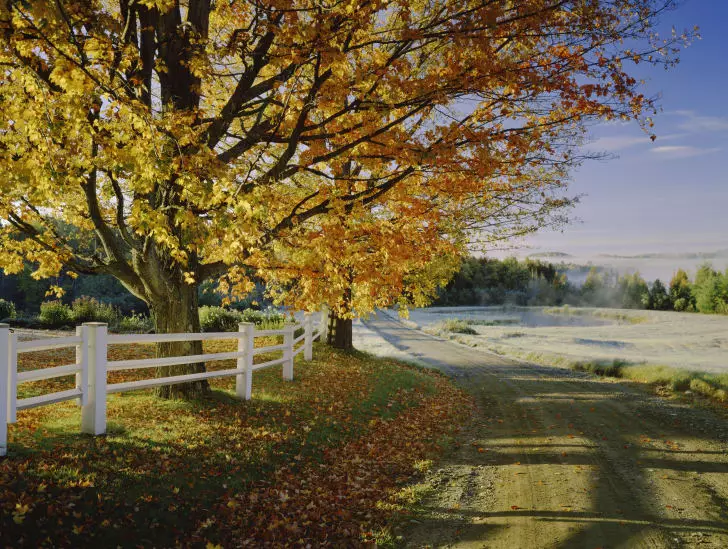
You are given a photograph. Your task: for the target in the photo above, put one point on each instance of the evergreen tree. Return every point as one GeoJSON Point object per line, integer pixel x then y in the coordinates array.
{"type": "Point", "coordinates": [658, 297]}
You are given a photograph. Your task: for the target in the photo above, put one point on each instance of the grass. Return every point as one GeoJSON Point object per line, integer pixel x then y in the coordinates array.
{"type": "Point", "coordinates": [712, 386]}
{"type": "Point", "coordinates": [609, 314]}
{"type": "Point", "coordinates": [405, 502]}
{"type": "Point", "coordinates": [609, 368]}
{"type": "Point", "coordinates": [316, 459]}
{"type": "Point", "coordinates": [677, 380]}
{"type": "Point", "coordinates": [498, 322]}
{"type": "Point", "coordinates": [452, 326]}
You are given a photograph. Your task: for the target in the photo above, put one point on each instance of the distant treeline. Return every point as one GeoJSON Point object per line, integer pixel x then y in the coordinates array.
{"type": "Point", "coordinates": [27, 294]}
{"type": "Point", "coordinates": [485, 281]}
{"type": "Point", "coordinates": [480, 281]}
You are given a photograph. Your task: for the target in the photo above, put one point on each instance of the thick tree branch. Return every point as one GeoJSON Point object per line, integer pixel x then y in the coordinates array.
{"type": "Point", "coordinates": [240, 95]}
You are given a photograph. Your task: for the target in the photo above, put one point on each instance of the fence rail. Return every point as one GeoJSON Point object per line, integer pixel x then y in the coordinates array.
{"type": "Point", "coordinates": [92, 365]}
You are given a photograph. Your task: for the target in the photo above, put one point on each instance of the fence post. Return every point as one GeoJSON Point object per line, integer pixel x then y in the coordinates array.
{"type": "Point", "coordinates": [246, 343]}
{"type": "Point", "coordinates": [93, 413]}
{"type": "Point", "coordinates": [288, 352]}
{"type": "Point", "coordinates": [4, 386]}
{"type": "Point", "coordinates": [82, 359]}
{"type": "Point", "coordinates": [308, 339]}
{"type": "Point", "coordinates": [13, 378]}
{"type": "Point", "coordinates": [324, 326]}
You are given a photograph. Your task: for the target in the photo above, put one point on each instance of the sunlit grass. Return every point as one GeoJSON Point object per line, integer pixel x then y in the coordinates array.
{"type": "Point", "coordinates": [714, 386]}
{"type": "Point", "coordinates": [710, 385]}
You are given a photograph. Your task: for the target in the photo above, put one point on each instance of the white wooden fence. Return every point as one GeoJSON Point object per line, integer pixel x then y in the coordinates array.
{"type": "Point", "coordinates": [92, 366]}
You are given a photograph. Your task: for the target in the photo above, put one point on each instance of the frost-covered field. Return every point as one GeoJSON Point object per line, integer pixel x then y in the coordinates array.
{"type": "Point", "coordinates": [692, 341]}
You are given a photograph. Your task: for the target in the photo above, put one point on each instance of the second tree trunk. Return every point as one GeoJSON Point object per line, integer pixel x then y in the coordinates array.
{"type": "Point", "coordinates": [340, 333]}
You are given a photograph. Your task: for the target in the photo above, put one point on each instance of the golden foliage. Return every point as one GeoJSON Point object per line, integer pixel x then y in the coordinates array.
{"type": "Point", "coordinates": [177, 142]}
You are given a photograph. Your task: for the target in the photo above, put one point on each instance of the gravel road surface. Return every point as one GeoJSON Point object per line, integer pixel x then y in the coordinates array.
{"type": "Point", "coordinates": [559, 459]}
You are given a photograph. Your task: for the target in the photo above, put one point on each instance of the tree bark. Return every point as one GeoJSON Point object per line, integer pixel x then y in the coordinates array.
{"type": "Point", "coordinates": [177, 313]}
{"type": "Point", "coordinates": [340, 333]}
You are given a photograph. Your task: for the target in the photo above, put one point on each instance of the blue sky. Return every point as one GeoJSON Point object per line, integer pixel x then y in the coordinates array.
{"type": "Point", "coordinates": [670, 195]}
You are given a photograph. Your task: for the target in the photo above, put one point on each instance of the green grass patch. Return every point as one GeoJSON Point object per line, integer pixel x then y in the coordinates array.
{"type": "Point", "coordinates": [392, 390]}
{"type": "Point", "coordinates": [678, 380]}
{"type": "Point", "coordinates": [710, 385]}
{"type": "Point", "coordinates": [713, 386]}
{"type": "Point", "coordinates": [611, 368]}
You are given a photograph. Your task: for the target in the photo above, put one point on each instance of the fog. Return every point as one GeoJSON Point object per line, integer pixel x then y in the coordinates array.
{"type": "Point", "coordinates": [661, 266]}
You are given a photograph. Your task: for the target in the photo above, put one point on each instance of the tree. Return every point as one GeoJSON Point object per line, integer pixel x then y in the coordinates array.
{"type": "Point", "coordinates": [175, 136]}
{"type": "Point", "coordinates": [633, 291]}
{"type": "Point", "coordinates": [710, 290]}
{"type": "Point", "coordinates": [358, 265]}
{"type": "Point", "coordinates": [594, 289]}
{"type": "Point", "coordinates": [659, 299]}
{"type": "Point", "coordinates": [681, 294]}
{"type": "Point", "coordinates": [490, 281]}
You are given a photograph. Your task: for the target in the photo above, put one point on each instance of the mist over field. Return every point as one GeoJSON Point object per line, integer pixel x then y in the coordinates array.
{"type": "Point", "coordinates": [649, 265]}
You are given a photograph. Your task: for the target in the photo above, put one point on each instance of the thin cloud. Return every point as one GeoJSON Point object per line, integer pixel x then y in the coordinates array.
{"type": "Point", "coordinates": [621, 142]}
{"type": "Point", "coordinates": [696, 123]}
{"type": "Point", "coordinates": [618, 142]}
{"type": "Point", "coordinates": [683, 151]}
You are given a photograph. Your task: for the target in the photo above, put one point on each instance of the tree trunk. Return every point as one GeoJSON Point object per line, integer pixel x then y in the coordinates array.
{"type": "Point", "coordinates": [340, 333]}
{"type": "Point", "coordinates": [177, 313]}
{"type": "Point", "coordinates": [340, 329]}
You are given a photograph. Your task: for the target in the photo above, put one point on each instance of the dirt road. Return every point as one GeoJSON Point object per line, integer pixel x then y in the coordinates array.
{"type": "Point", "coordinates": [560, 459]}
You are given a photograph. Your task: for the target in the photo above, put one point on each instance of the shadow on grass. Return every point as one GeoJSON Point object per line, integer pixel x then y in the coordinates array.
{"type": "Point", "coordinates": [165, 466]}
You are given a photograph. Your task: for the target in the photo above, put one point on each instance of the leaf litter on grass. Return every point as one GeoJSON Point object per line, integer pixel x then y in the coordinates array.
{"type": "Point", "coordinates": [308, 462]}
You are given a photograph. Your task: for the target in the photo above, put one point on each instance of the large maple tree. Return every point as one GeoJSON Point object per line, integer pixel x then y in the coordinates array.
{"type": "Point", "coordinates": [184, 139]}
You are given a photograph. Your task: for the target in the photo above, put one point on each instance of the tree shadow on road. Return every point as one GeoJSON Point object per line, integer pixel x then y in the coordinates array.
{"type": "Point", "coordinates": [644, 471]}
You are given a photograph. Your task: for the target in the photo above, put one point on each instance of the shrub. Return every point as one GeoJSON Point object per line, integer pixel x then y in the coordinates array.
{"type": "Point", "coordinates": [610, 368]}
{"type": "Point", "coordinates": [55, 314]}
{"type": "Point", "coordinates": [680, 380]}
{"type": "Point", "coordinates": [268, 319]}
{"type": "Point", "coordinates": [23, 321]}
{"type": "Point", "coordinates": [7, 310]}
{"type": "Point", "coordinates": [457, 326]}
{"type": "Point", "coordinates": [136, 323]}
{"type": "Point", "coordinates": [219, 319]}
{"type": "Point", "coordinates": [711, 388]}
{"type": "Point", "coordinates": [699, 386]}
{"type": "Point", "coordinates": [88, 309]}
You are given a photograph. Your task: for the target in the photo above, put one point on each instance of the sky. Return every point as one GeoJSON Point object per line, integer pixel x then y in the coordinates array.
{"type": "Point", "coordinates": [670, 196]}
